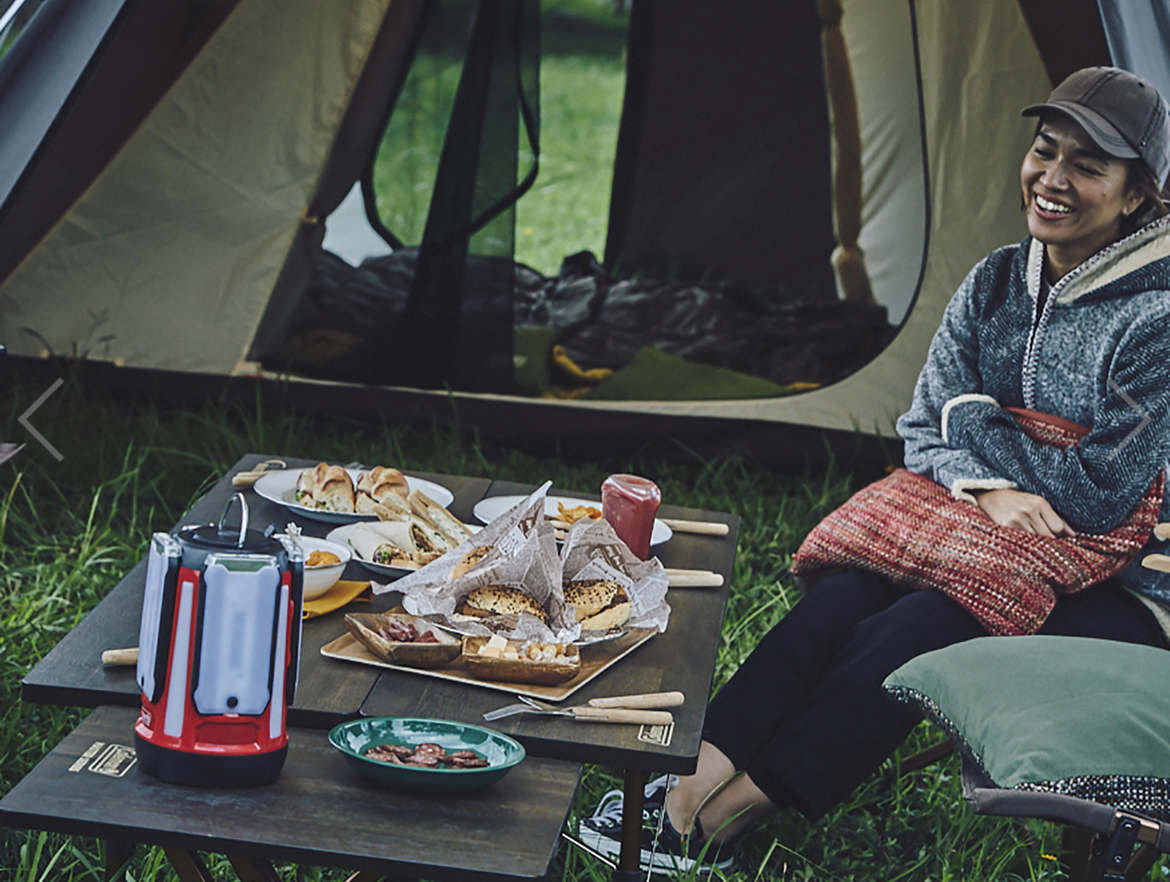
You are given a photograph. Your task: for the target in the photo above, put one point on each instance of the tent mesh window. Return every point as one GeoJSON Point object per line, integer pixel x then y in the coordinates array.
{"type": "Point", "coordinates": [720, 224]}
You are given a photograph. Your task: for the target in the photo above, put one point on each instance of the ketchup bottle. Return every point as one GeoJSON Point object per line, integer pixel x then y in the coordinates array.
{"type": "Point", "coordinates": [629, 503]}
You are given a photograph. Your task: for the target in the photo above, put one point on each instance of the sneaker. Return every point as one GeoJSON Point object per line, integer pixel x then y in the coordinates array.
{"type": "Point", "coordinates": [664, 850]}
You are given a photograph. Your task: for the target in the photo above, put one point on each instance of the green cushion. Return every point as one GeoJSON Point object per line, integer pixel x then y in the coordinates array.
{"type": "Point", "coordinates": [1040, 712]}
{"type": "Point", "coordinates": [653, 375]}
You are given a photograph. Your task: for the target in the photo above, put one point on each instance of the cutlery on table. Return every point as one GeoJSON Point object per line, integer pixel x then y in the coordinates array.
{"type": "Point", "coordinates": [1162, 531]}
{"type": "Point", "coordinates": [640, 713]}
{"type": "Point", "coordinates": [707, 528]}
{"type": "Point", "coordinates": [120, 656]}
{"type": "Point", "coordinates": [693, 578]}
{"type": "Point", "coordinates": [248, 478]}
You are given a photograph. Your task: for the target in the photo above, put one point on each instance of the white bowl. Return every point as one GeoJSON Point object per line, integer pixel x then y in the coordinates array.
{"type": "Point", "coordinates": [318, 580]}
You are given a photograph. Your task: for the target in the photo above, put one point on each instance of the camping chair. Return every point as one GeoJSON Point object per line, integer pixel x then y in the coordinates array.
{"type": "Point", "coordinates": [1084, 741]}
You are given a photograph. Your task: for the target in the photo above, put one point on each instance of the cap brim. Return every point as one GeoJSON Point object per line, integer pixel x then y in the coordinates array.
{"type": "Point", "coordinates": [1102, 131]}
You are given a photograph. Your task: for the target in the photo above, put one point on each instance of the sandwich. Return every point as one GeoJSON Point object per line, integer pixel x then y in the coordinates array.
{"type": "Point", "coordinates": [428, 538]}
{"type": "Point", "coordinates": [600, 604]}
{"type": "Point", "coordinates": [381, 486]}
{"type": "Point", "coordinates": [385, 542]}
{"type": "Point", "coordinates": [394, 508]}
{"type": "Point", "coordinates": [446, 523]}
{"type": "Point", "coordinates": [469, 561]}
{"type": "Point", "coordinates": [500, 600]}
{"type": "Point", "coordinates": [326, 487]}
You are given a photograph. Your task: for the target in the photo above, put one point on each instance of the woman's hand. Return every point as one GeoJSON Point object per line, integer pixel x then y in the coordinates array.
{"type": "Point", "coordinates": [1022, 511]}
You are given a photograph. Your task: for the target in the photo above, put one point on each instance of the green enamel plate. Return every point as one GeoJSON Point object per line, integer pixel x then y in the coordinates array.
{"type": "Point", "coordinates": [355, 738]}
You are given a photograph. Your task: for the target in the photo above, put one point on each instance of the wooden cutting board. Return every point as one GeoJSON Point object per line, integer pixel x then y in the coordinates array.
{"type": "Point", "coordinates": [595, 658]}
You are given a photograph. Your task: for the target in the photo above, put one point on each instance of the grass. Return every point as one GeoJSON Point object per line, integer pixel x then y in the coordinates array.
{"type": "Point", "coordinates": [69, 530]}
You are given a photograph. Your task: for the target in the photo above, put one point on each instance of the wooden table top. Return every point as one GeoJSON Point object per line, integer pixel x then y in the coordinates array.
{"type": "Point", "coordinates": [331, 691]}
{"type": "Point", "coordinates": [319, 811]}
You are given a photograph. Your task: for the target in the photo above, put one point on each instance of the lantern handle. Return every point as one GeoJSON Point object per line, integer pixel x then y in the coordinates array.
{"type": "Point", "coordinates": [243, 518]}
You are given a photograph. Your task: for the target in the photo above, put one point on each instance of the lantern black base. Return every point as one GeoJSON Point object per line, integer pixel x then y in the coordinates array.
{"type": "Point", "coordinates": [201, 770]}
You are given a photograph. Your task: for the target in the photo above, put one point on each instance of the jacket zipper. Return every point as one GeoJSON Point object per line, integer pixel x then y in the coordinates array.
{"type": "Point", "coordinates": [1032, 353]}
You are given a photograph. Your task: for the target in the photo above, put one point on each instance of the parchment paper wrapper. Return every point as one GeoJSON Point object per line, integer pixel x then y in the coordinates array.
{"type": "Point", "coordinates": [592, 550]}
{"type": "Point", "coordinates": [525, 557]}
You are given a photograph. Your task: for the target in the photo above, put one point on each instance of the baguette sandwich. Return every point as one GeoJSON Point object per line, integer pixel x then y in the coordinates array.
{"type": "Point", "coordinates": [382, 486]}
{"type": "Point", "coordinates": [326, 487]}
{"type": "Point", "coordinates": [446, 523]}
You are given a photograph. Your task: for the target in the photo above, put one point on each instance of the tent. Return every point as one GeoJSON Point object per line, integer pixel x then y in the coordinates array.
{"type": "Point", "coordinates": [168, 171]}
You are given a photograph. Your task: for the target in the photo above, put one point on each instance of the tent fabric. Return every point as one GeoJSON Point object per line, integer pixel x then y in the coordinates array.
{"type": "Point", "coordinates": [42, 71]}
{"type": "Point", "coordinates": [1138, 32]}
{"type": "Point", "coordinates": [169, 258]}
{"type": "Point", "coordinates": [722, 168]}
{"type": "Point", "coordinates": [108, 82]}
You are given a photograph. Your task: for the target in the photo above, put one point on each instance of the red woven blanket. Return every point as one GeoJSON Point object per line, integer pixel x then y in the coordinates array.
{"type": "Point", "coordinates": [910, 529]}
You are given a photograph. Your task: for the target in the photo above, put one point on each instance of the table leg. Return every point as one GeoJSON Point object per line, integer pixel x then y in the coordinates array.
{"type": "Point", "coordinates": [628, 869]}
{"type": "Point", "coordinates": [252, 870]}
{"type": "Point", "coordinates": [188, 865]}
{"type": "Point", "coordinates": [118, 852]}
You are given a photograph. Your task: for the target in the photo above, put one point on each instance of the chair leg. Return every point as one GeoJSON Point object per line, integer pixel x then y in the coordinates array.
{"type": "Point", "coordinates": [1142, 863]}
{"type": "Point", "coordinates": [1077, 853]}
{"type": "Point", "coordinates": [924, 758]}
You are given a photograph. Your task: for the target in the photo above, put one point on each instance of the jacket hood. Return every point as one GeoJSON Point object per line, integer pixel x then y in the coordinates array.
{"type": "Point", "coordinates": [1140, 249]}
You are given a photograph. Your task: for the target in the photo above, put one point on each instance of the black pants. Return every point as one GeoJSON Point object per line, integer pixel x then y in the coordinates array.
{"type": "Point", "coordinates": [806, 716]}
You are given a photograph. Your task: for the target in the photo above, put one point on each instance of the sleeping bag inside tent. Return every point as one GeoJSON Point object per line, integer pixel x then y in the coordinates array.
{"type": "Point", "coordinates": [797, 190]}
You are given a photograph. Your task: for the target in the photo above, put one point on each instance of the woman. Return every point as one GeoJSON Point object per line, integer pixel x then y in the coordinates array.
{"type": "Point", "coordinates": [1074, 321]}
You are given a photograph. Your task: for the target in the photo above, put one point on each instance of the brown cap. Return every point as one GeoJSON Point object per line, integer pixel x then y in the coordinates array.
{"type": "Point", "coordinates": [1123, 114]}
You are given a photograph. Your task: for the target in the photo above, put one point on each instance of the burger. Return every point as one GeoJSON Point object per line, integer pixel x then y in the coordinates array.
{"type": "Point", "coordinates": [469, 561]}
{"type": "Point", "coordinates": [600, 604]}
{"type": "Point", "coordinates": [500, 600]}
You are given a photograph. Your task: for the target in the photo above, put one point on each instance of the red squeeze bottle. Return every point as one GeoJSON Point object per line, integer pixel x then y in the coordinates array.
{"type": "Point", "coordinates": [629, 503]}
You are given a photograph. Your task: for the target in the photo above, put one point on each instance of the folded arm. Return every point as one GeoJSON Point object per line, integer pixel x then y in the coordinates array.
{"type": "Point", "coordinates": [1096, 483]}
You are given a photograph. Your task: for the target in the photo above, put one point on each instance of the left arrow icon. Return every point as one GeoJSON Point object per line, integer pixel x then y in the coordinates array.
{"type": "Point", "coordinates": [23, 419]}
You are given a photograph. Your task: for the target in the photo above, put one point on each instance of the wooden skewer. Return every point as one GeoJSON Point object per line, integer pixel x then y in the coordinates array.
{"type": "Point", "coordinates": [695, 580]}
{"type": "Point", "coordinates": [707, 528]}
{"type": "Point", "coordinates": [1162, 531]}
{"type": "Point", "coordinates": [120, 656]}
{"type": "Point", "coordinates": [1159, 562]}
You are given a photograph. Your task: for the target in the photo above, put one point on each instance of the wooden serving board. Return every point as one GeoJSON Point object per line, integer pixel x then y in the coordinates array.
{"type": "Point", "coordinates": [595, 658]}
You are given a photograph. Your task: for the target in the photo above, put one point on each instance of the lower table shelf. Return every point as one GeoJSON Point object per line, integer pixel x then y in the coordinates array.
{"type": "Point", "coordinates": [319, 811]}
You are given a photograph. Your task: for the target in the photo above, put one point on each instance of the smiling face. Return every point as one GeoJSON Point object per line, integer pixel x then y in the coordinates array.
{"type": "Point", "coordinates": [1075, 195]}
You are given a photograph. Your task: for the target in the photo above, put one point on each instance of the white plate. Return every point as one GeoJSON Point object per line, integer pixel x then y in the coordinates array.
{"type": "Point", "coordinates": [340, 535]}
{"type": "Point", "coordinates": [281, 487]}
{"type": "Point", "coordinates": [487, 510]}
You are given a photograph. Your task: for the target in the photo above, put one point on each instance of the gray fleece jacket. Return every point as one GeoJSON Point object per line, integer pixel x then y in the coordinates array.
{"type": "Point", "coordinates": [1098, 355]}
